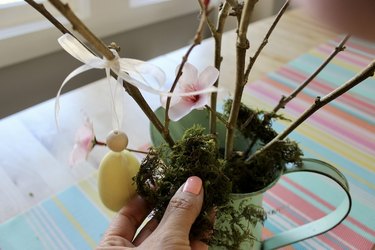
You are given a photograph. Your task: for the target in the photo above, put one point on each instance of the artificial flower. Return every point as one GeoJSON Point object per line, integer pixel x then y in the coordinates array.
{"type": "Point", "coordinates": [191, 82]}
{"type": "Point", "coordinates": [84, 142]}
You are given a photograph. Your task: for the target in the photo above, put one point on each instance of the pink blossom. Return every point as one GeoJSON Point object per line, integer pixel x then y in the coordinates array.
{"type": "Point", "coordinates": [189, 82]}
{"type": "Point", "coordinates": [84, 142]}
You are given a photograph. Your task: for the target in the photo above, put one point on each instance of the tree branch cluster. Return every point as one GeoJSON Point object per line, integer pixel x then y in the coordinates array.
{"type": "Point", "coordinates": [242, 12]}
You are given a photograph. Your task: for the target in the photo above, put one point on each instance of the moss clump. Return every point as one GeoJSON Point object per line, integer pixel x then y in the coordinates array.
{"type": "Point", "coordinates": [234, 224]}
{"type": "Point", "coordinates": [251, 124]}
{"type": "Point", "coordinates": [164, 170]}
{"type": "Point", "coordinates": [249, 176]}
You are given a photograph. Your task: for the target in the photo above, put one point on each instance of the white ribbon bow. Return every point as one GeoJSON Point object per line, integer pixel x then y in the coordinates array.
{"type": "Point", "coordinates": [141, 74]}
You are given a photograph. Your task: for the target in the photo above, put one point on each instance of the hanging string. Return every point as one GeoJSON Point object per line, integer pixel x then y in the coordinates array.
{"type": "Point", "coordinates": [115, 119]}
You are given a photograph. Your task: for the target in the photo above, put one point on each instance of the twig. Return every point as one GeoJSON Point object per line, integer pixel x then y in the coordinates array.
{"type": "Point", "coordinates": [197, 41]}
{"type": "Point", "coordinates": [219, 116]}
{"type": "Point", "coordinates": [233, 3]}
{"type": "Point", "coordinates": [319, 103]}
{"type": "Point", "coordinates": [96, 142]}
{"type": "Point", "coordinates": [253, 58]}
{"type": "Point", "coordinates": [133, 91]}
{"type": "Point", "coordinates": [217, 34]}
{"type": "Point", "coordinates": [285, 100]}
{"type": "Point", "coordinates": [248, 120]}
{"type": "Point", "coordinates": [138, 151]}
{"type": "Point", "coordinates": [142, 103]}
{"type": "Point", "coordinates": [81, 28]}
{"type": "Point", "coordinates": [100, 143]}
{"type": "Point", "coordinates": [237, 7]}
{"type": "Point", "coordinates": [265, 41]}
{"type": "Point", "coordinates": [42, 10]}
{"type": "Point", "coordinates": [242, 46]}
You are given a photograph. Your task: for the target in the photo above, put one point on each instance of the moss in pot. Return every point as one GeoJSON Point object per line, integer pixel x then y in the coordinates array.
{"type": "Point", "coordinates": [165, 169]}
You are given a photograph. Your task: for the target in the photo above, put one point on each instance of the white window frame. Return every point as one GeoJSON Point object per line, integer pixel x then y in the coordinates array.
{"type": "Point", "coordinates": [19, 18]}
{"type": "Point", "coordinates": [36, 37]}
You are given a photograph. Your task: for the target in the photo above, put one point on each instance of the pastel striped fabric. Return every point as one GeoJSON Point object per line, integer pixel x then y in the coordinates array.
{"type": "Point", "coordinates": [342, 134]}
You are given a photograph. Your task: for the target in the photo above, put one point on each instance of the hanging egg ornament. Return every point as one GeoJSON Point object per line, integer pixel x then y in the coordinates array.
{"type": "Point", "coordinates": [116, 185]}
{"type": "Point", "coordinates": [116, 172]}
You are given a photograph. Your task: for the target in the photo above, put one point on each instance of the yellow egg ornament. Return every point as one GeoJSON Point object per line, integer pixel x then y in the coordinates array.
{"type": "Point", "coordinates": [116, 172]}
{"type": "Point", "coordinates": [116, 185]}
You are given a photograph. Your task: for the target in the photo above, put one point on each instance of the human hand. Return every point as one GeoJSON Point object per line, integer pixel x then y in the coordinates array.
{"type": "Point", "coordinates": [171, 233]}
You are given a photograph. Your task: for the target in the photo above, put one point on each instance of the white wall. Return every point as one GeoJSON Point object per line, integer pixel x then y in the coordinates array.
{"type": "Point", "coordinates": [36, 38]}
{"type": "Point", "coordinates": [36, 65]}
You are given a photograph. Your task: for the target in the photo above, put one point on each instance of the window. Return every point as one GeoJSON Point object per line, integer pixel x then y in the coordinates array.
{"type": "Point", "coordinates": [21, 25]}
{"type": "Point", "coordinates": [17, 17]}
{"type": "Point", "coordinates": [7, 3]}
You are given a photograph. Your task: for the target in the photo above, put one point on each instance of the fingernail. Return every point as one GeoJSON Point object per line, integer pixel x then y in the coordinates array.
{"type": "Point", "coordinates": [193, 185]}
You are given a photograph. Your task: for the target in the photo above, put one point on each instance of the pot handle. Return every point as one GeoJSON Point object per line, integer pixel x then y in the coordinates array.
{"type": "Point", "coordinates": [323, 224]}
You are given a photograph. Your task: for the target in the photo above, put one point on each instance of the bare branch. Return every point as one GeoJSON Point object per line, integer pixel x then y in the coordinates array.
{"type": "Point", "coordinates": [233, 3]}
{"type": "Point", "coordinates": [285, 100]}
{"type": "Point", "coordinates": [142, 103]}
{"type": "Point", "coordinates": [197, 41]}
{"type": "Point", "coordinates": [133, 91]}
{"type": "Point", "coordinates": [219, 116]}
{"type": "Point", "coordinates": [265, 41]}
{"type": "Point", "coordinates": [217, 34]}
{"type": "Point", "coordinates": [319, 103]}
{"type": "Point", "coordinates": [42, 10]}
{"type": "Point", "coordinates": [81, 28]}
{"type": "Point", "coordinates": [242, 46]}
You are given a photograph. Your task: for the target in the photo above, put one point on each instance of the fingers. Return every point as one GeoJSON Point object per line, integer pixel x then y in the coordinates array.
{"type": "Point", "coordinates": [174, 227]}
{"type": "Point", "coordinates": [124, 225]}
{"type": "Point", "coordinates": [183, 208]}
{"type": "Point", "coordinates": [198, 245]}
{"type": "Point", "coordinates": [146, 231]}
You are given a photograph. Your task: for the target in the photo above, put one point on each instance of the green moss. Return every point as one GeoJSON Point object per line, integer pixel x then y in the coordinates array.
{"type": "Point", "coordinates": [266, 167]}
{"type": "Point", "coordinates": [165, 169]}
{"type": "Point", "coordinates": [164, 172]}
{"type": "Point", "coordinates": [235, 224]}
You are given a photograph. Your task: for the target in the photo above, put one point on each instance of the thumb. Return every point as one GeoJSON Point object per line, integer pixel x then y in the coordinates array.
{"type": "Point", "coordinates": [183, 208]}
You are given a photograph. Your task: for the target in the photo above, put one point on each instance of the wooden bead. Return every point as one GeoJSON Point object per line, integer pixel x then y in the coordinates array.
{"type": "Point", "coordinates": [117, 141]}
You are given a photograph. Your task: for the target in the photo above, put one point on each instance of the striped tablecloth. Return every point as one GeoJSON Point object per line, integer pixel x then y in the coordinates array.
{"type": "Point", "coordinates": [342, 134]}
